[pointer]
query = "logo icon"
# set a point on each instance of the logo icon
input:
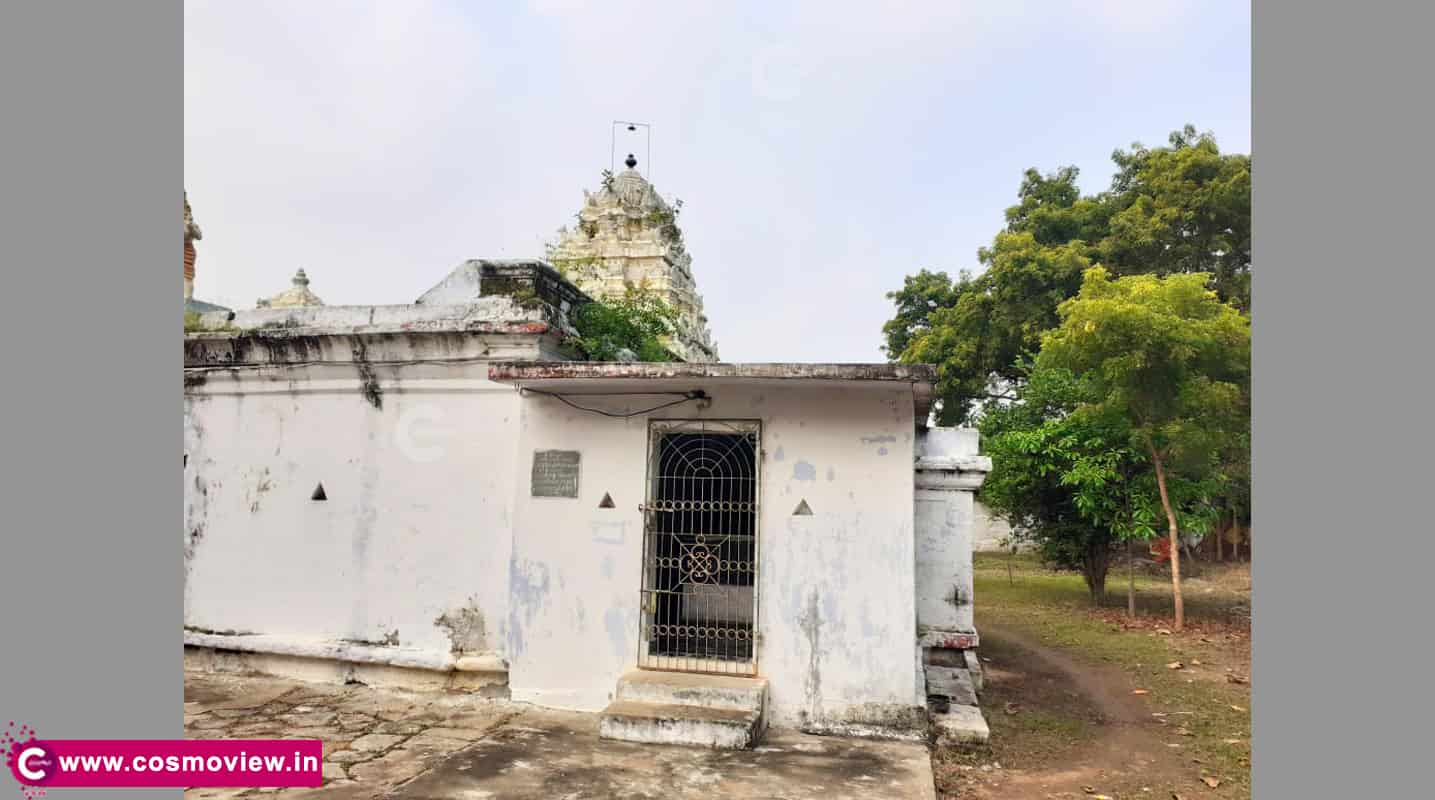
(31, 761)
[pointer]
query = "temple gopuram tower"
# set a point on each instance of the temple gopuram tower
(627, 235)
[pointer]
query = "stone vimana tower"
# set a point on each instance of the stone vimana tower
(628, 235)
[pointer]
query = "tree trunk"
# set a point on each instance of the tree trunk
(1130, 582)
(1221, 535)
(1175, 538)
(1094, 566)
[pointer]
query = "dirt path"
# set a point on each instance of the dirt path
(1063, 729)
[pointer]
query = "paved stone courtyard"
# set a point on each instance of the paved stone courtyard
(422, 746)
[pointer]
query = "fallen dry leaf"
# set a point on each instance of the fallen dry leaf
(1011, 708)
(1140, 691)
(1175, 665)
(1089, 789)
(1162, 632)
(1195, 662)
(1175, 796)
(1238, 679)
(1211, 782)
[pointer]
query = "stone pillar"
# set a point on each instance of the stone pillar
(948, 473)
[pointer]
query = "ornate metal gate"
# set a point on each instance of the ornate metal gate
(699, 590)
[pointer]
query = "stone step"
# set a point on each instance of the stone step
(692, 689)
(953, 684)
(666, 723)
(962, 725)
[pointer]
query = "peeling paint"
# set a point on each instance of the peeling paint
(466, 628)
(261, 486)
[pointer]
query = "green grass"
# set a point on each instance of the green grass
(1056, 609)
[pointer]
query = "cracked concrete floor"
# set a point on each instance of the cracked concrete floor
(426, 746)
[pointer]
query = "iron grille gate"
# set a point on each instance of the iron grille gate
(699, 593)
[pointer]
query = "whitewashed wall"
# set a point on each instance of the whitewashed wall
(429, 518)
(415, 527)
(836, 598)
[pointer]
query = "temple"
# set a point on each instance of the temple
(628, 235)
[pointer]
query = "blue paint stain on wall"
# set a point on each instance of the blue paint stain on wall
(881, 451)
(803, 471)
(528, 590)
(618, 626)
(606, 568)
(778, 455)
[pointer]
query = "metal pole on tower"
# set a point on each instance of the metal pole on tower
(631, 127)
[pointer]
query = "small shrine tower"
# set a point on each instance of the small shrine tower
(627, 235)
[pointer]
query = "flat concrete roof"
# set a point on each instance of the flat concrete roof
(593, 376)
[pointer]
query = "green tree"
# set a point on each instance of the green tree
(1170, 360)
(991, 322)
(1066, 481)
(1184, 208)
(920, 295)
(640, 322)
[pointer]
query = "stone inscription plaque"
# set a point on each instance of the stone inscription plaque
(555, 473)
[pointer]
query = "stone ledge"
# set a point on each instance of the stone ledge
(406, 657)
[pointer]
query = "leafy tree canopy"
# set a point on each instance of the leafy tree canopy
(1169, 362)
(1067, 482)
(638, 323)
(1184, 208)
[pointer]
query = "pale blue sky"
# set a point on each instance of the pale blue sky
(822, 150)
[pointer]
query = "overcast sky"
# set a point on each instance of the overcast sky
(822, 150)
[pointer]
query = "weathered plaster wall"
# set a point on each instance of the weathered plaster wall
(944, 560)
(948, 473)
(836, 594)
(411, 547)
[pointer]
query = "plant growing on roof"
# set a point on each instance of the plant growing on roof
(639, 322)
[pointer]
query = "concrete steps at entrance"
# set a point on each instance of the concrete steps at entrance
(717, 711)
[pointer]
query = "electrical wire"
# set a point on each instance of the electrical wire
(684, 397)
